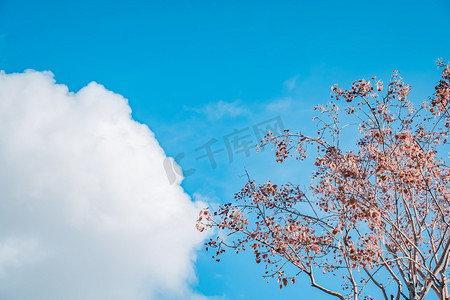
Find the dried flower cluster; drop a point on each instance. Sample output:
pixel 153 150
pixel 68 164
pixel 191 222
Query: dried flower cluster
pixel 377 212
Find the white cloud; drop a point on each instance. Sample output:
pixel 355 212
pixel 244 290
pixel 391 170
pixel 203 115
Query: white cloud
pixel 16 252
pixel 291 83
pixel 280 105
pixel 86 209
pixel 220 109
pixel 201 297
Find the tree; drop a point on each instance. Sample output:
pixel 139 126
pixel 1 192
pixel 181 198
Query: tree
pixel 377 212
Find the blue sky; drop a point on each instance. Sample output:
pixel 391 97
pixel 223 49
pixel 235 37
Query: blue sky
pixel 194 71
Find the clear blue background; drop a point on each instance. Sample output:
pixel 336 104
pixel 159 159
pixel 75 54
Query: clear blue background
pixel 171 58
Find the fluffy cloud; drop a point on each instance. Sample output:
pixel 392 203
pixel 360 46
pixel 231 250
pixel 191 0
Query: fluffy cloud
pixel 86 209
